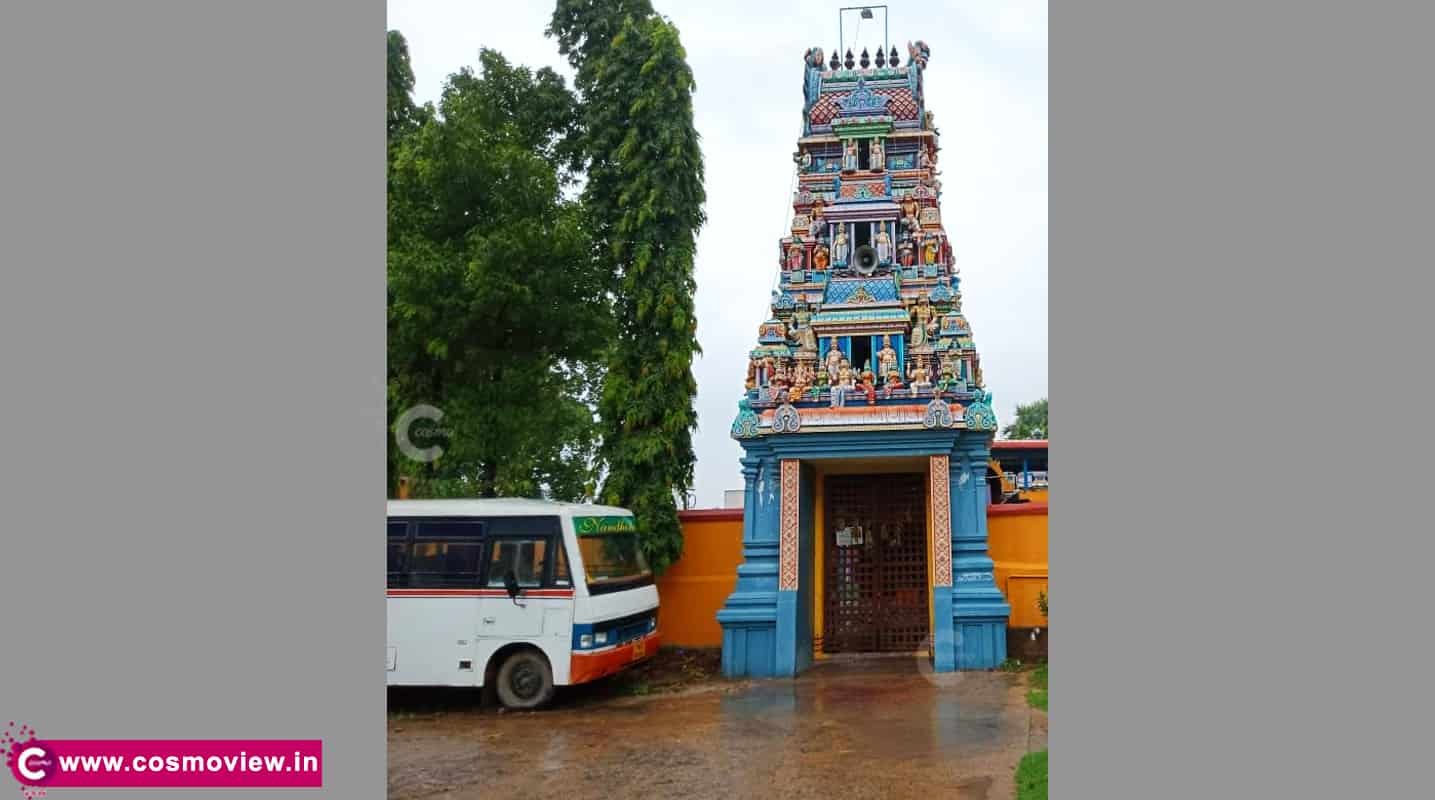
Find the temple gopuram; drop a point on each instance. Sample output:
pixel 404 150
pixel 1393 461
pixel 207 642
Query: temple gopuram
pixel 865 424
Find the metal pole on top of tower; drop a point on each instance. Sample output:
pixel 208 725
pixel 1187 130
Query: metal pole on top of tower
pixel 864 12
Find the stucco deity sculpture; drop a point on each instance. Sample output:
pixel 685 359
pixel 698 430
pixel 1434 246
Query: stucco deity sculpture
pixel 849 156
pixel 795 256
pixel 911 228
pixel 777 385
pixel 887 357
pixel 843 386
pixel 922 318
pixel 806 337
pixel 877 156
pixel 906 256
pixel 820 257
pixel 948 381
pixel 868 384
pixel 931 248
pixel 801 381
pixel 884 246
pixel 839 247
pixel 921 380
pixel 909 207
pixel 834 361
pixel 891 382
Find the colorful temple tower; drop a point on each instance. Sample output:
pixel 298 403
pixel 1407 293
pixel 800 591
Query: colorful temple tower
pixel 865 425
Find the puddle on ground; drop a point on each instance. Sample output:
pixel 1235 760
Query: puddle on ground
pixel 871 728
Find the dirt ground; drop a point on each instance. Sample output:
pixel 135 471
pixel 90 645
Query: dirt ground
pixel 855 727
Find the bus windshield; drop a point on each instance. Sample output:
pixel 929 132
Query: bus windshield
pixel 610 558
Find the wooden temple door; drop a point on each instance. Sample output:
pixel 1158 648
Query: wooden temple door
pixel 875 570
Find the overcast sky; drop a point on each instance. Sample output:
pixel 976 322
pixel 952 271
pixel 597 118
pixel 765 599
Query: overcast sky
pixel 986 83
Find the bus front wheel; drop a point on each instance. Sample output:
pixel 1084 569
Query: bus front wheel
pixel 525 680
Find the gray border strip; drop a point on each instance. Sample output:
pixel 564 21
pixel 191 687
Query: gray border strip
pixel 192 322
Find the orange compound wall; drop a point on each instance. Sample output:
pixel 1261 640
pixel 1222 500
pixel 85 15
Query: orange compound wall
pixel 1017 541
pixel 694 587
pixel 697 585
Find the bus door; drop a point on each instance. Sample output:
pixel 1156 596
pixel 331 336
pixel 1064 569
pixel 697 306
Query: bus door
pixel 531 549
pixel 518 617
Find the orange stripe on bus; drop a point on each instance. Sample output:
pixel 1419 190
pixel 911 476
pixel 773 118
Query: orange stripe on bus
pixel 584 667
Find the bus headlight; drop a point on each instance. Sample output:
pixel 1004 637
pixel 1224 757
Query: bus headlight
pixel 585 640
pixel 600 638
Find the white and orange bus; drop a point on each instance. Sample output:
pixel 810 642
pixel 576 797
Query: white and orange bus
pixel 524 595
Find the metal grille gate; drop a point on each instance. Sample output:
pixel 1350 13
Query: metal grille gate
pixel 875 546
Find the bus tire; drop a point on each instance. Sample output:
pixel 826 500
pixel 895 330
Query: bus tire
pixel 525 680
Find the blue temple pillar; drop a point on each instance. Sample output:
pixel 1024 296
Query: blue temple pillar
pixel 796 508
pixel 749 617
pixel 806 566
pixel 979 611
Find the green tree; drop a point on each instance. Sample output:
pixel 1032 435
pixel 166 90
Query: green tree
pixel 1030 422
pixel 497 308
pixel 403 114
pixel 644 194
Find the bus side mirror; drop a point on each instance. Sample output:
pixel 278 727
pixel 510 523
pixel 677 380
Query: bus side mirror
pixel 510 582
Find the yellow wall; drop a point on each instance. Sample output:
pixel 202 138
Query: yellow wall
pixel 692 590
pixel 1017 537
pixel 696 586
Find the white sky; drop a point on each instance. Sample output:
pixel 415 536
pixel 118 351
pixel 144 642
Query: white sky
pixel 986 83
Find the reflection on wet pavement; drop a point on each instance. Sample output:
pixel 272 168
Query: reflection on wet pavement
pixel 870 727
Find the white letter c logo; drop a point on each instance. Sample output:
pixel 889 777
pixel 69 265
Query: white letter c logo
pixel 22 763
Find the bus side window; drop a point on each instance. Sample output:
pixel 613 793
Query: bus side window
pixel 446 554
pixel 560 568
pixel 398 552
pixel 524 545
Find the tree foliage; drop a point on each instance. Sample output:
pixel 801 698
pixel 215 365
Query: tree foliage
pixel 1030 422
pixel 644 196
pixel 403 114
pixel 497 307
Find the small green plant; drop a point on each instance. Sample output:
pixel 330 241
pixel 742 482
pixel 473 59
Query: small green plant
pixel 1041 603
pixel 1010 665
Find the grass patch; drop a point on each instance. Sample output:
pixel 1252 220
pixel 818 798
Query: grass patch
pixel 1031 777
pixel 1036 693
pixel 1036 698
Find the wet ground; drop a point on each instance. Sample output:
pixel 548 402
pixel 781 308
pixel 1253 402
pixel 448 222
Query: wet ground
pixel 867 727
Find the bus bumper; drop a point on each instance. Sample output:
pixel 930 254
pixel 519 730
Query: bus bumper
pixel 586 667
